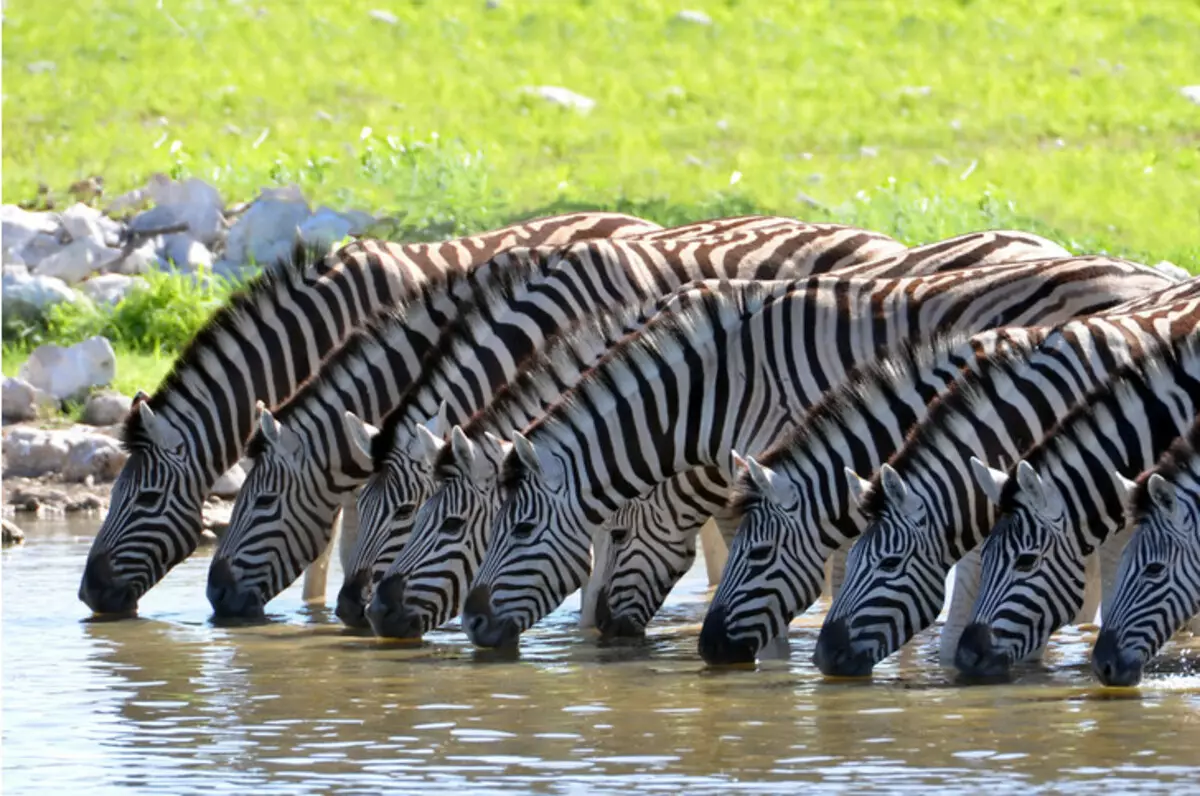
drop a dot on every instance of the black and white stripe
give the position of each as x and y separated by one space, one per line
732 374
927 512
285 512
1063 500
259 348
1158 583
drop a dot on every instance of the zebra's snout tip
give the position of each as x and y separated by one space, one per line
717 648
1113 666
226 595
387 615
977 656
481 624
103 592
835 655
353 600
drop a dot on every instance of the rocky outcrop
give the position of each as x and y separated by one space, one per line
69 373
77 453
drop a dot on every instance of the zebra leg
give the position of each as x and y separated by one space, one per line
777 649
349 535
835 574
967 574
317 574
1092 590
713 536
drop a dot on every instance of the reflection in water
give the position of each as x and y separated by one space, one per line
173 703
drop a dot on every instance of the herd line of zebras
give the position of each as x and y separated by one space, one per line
584 399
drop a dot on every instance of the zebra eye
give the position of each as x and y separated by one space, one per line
523 530
1026 562
452 525
265 501
149 497
759 553
1154 570
619 535
405 510
889 564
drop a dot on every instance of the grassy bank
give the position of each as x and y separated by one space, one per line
919 119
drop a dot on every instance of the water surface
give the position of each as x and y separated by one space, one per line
170 703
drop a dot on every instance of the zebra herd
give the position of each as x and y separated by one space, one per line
582 400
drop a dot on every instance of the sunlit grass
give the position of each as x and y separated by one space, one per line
1063 116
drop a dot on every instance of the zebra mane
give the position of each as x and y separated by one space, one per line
277 279
1122 385
713 303
500 284
539 374
500 291
894 367
1180 457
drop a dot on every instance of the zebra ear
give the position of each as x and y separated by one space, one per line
161 433
425 444
528 455
1162 493
894 488
857 485
463 448
773 487
1125 486
276 434
361 435
990 480
1033 486
439 424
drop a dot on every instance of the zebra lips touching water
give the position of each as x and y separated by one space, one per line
1063 500
309 465
650 543
403 479
926 511
259 348
1158 583
733 376
792 503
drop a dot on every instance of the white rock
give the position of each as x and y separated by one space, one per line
26 297
33 452
18 227
1191 92
1177 272
81 221
563 97
230 482
97 456
694 17
110 288
130 200
380 15
12 533
324 228
185 253
266 232
193 202
67 372
21 400
106 408
41 246
141 260
78 260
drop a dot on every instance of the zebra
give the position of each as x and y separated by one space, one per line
1158 583
734 373
791 504
265 342
1062 501
404 479
286 510
925 511
650 543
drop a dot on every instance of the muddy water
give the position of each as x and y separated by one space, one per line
171 703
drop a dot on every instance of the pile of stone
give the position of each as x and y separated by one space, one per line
84 253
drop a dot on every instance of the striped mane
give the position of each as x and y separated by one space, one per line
276 281
1122 386
1179 458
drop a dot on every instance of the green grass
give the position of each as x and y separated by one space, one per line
1063 117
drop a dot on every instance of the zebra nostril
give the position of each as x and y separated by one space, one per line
478 603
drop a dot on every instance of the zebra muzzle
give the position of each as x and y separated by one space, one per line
977 655
1112 665
353 599
387 613
717 647
482 625
101 590
226 595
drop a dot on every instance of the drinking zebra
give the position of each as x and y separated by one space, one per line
733 375
1062 501
308 465
1158 583
925 510
259 348
404 478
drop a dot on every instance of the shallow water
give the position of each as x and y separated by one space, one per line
171 703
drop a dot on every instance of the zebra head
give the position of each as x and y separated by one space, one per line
424 587
154 519
1032 578
643 551
540 550
283 515
387 507
895 579
1158 583
773 572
